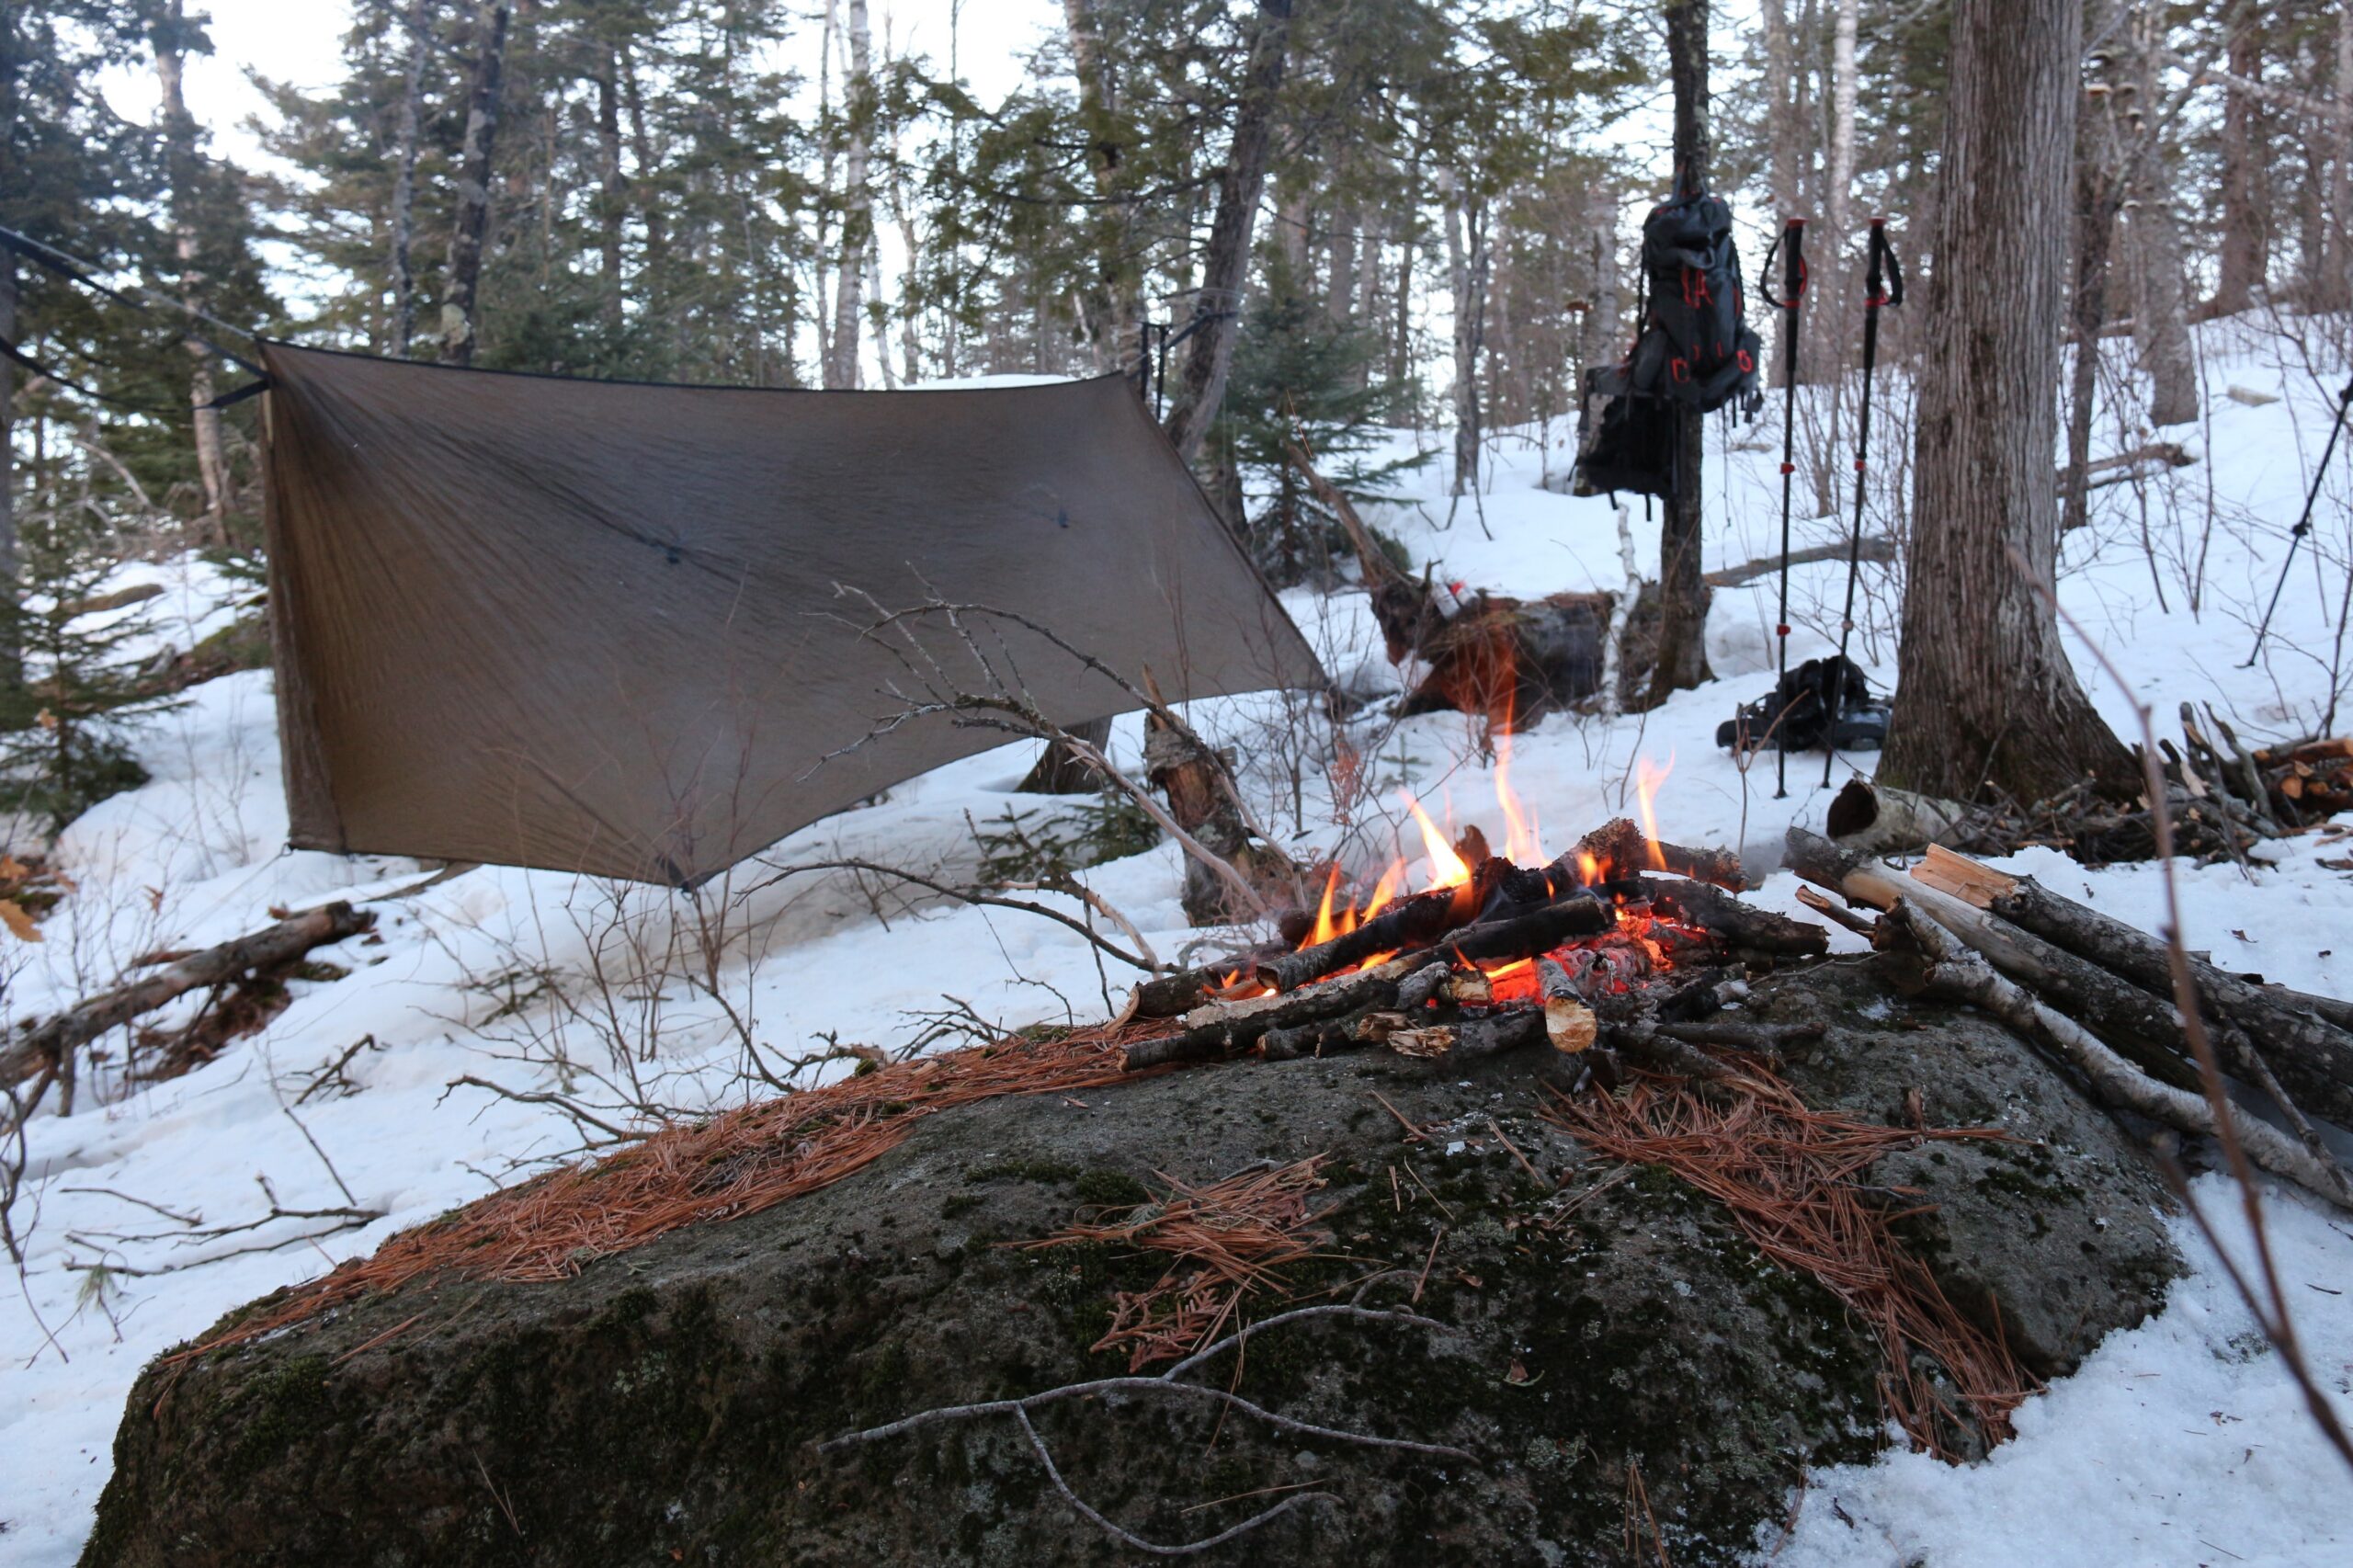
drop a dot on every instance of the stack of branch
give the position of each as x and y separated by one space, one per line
2309 780
2098 994
2222 798
1417 977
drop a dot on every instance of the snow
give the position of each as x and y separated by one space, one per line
2179 1442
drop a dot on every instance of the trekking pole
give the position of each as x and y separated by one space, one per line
1879 288
1793 281
2304 523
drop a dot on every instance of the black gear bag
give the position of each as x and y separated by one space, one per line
1696 352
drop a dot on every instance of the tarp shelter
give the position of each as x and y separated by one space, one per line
594 626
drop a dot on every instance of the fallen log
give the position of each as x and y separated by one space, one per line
2307 1049
49 1043
1878 548
1956 972
1875 819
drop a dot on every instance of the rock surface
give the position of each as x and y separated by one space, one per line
666 1404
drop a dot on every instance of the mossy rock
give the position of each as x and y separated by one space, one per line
668 1403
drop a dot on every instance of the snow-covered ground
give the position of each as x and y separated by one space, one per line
2181 1442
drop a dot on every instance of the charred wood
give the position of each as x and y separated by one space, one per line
1739 925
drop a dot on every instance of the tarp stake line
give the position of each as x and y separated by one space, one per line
1792 242
1883 285
2304 523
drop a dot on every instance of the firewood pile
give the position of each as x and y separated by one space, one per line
1624 948
2224 799
2100 995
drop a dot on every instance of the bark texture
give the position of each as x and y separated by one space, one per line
858 205
185 174
1682 655
1984 693
459 317
2246 222
1223 270
404 213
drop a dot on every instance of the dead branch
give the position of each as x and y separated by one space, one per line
54 1041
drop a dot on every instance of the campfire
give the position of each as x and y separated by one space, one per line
1623 942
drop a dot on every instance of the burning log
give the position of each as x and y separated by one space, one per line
1223 1028
1741 925
1621 849
1417 922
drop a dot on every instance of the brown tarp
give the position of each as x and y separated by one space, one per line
594 626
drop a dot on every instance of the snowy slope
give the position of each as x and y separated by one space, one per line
2178 1443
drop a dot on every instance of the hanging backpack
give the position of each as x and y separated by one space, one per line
1696 352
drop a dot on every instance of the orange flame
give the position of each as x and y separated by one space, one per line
1588 867
1393 877
1325 931
1648 776
1446 870
1521 846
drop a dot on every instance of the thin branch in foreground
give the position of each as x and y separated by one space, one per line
1165 1382
2273 1315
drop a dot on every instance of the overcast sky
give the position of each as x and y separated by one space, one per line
300 42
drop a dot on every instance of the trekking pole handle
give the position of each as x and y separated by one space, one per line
1890 289
1793 269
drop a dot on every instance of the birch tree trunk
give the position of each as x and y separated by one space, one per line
1217 305
857 204
1984 694
404 214
1466 256
1681 661
12 64
460 319
185 175
1842 124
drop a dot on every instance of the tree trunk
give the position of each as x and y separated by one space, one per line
2337 283
1217 305
185 176
1842 122
403 215
857 206
1466 256
1681 660
2098 198
1780 91
12 668
1113 306
1060 770
459 318
1984 695
613 194
2245 223
1603 338
2160 283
